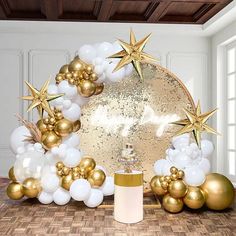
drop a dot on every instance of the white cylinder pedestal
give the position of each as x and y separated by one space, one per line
128 197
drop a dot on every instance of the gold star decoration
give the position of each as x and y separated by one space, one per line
132 53
40 99
196 123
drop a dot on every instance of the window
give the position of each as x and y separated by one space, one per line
230 98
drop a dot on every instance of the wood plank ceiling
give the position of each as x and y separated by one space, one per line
144 11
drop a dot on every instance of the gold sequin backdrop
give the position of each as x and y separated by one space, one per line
136 112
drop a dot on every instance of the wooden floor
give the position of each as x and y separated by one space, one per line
31 218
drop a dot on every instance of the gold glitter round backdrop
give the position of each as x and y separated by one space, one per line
135 112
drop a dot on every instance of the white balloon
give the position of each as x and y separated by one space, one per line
49 169
73 113
17 137
80 189
98 69
182 160
52 89
108 186
29 164
98 167
69 90
181 141
62 149
97 61
95 198
114 76
104 50
61 196
73 157
205 165
194 176
50 182
72 140
45 198
207 148
51 159
79 100
166 168
87 53
158 166
101 78
128 69
67 104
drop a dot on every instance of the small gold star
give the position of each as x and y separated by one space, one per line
196 123
132 53
41 99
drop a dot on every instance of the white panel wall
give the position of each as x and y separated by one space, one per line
33 51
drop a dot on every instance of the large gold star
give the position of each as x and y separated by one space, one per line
41 99
132 53
196 123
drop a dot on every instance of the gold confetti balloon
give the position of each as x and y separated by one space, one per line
66 181
86 88
76 125
63 127
96 178
177 188
76 65
31 187
50 139
156 186
87 164
194 198
64 69
173 205
14 191
219 191
11 174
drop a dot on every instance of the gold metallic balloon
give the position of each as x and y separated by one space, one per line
173 205
31 187
156 186
194 198
164 185
59 115
66 181
50 139
64 69
173 170
76 125
89 69
93 77
42 126
87 164
76 65
75 175
219 191
66 170
174 177
180 174
96 177
63 127
59 77
86 88
167 179
68 75
14 191
11 174
99 89
59 165
177 189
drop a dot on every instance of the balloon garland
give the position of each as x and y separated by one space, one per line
184 176
48 163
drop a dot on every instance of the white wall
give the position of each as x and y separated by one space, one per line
33 51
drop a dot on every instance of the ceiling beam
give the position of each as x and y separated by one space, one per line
158 12
50 8
105 10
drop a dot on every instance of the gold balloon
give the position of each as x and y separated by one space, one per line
66 170
76 125
64 69
177 189
11 174
59 165
164 184
174 177
167 179
76 65
75 175
50 139
96 177
93 77
86 88
173 170
89 69
31 187
42 126
99 89
156 186
173 205
59 77
63 127
219 191
66 181
87 164
194 198
180 174
14 191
